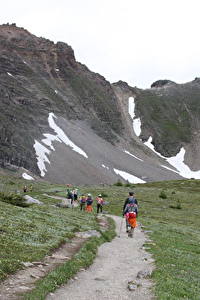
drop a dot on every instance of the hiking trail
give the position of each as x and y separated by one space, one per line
121 261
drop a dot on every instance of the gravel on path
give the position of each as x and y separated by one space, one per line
116 264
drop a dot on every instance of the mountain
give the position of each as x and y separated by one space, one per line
64 123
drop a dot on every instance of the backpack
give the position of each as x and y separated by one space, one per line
89 201
131 211
100 200
132 200
83 199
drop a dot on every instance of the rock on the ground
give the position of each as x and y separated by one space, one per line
88 234
143 274
31 200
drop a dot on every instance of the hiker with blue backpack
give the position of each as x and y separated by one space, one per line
130 211
89 202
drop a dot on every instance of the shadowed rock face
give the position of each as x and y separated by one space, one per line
38 77
162 83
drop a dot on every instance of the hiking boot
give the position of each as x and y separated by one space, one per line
130 232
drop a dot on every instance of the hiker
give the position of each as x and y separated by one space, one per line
25 189
130 213
100 203
31 188
89 202
75 193
70 196
128 200
82 201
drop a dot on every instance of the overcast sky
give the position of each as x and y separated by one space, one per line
137 41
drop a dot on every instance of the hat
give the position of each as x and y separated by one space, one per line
89 194
99 195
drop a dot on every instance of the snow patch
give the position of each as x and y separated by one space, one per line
27 177
56 91
41 154
57 70
131 107
131 178
62 136
49 139
137 126
105 167
132 155
136 121
176 161
169 169
149 144
24 62
10 74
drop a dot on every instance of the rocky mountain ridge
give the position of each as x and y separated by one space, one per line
52 105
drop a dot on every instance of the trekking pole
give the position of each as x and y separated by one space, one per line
120 229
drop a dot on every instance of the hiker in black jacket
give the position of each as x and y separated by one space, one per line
130 199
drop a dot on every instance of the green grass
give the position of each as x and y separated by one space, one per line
63 273
28 234
175 232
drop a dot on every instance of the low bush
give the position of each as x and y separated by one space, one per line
163 195
118 183
128 185
177 206
104 195
13 199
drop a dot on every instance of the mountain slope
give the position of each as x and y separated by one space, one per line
65 123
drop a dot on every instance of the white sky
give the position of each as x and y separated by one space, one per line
137 41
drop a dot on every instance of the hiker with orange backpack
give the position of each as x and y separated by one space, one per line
133 200
130 213
89 202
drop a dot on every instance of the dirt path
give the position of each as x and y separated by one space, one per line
66 201
117 263
24 280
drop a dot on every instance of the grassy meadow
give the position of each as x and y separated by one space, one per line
27 234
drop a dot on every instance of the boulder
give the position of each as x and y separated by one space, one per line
31 200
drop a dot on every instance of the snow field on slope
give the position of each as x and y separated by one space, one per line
127 176
60 136
136 121
176 161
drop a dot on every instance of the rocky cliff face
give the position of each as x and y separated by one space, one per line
37 77
50 103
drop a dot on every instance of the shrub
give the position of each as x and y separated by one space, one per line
104 195
11 182
128 185
118 183
163 195
13 199
177 206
